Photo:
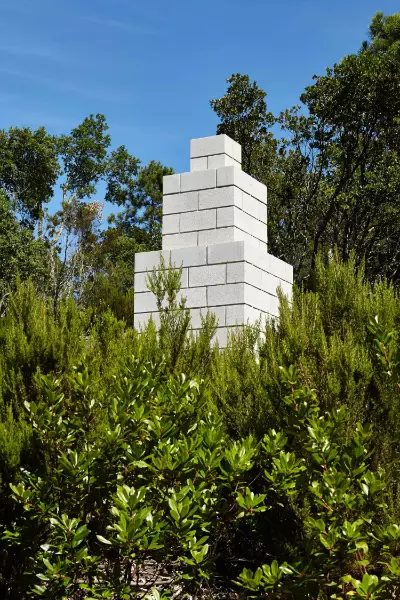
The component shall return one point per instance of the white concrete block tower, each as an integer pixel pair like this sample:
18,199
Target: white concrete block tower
215,227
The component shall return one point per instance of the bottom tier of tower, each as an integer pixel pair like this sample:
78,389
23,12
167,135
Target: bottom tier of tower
236,281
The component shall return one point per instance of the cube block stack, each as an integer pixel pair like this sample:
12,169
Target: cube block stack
215,228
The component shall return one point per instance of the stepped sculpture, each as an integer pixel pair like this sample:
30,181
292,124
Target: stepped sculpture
215,228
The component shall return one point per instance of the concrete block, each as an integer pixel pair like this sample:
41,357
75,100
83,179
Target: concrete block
254,241
216,144
269,263
171,184
189,257
250,205
219,312
145,302
259,190
179,240
237,152
270,283
254,297
273,303
199,164
255,277
221,337
286,288
250,225
258,257
170,224
219,197
259,299
197,313
254,207
146,261
246,237
235,314
198,180
196,297
263,212
226,216
233,176
185,278
216,236
233,216
214,225
141,320
220,160
248,273
207,275
236,272
228,252
140,284
230,293
195,318
252,315
281,269
178,203
198,220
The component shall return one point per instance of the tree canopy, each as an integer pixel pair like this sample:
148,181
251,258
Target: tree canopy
333,178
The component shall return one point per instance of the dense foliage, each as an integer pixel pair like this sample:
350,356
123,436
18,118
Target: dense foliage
150,485
236,466
70,253
333,173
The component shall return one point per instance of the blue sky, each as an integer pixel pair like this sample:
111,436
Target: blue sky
152,67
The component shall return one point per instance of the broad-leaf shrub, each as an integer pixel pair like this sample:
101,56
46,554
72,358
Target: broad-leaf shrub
157,486
143,491
339,500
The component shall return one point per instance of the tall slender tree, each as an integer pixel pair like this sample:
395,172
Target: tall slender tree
245,118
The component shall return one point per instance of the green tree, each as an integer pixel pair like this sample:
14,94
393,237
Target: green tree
325,332
139,190
349,143
83,157
110,283
334,180
339,502
29,169
21,255
34,163
81,260
244,117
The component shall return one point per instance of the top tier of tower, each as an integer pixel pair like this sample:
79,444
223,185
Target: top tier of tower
214,152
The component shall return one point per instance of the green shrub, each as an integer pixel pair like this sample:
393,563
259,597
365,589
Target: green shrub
326,333
144,490
34,337
155,482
